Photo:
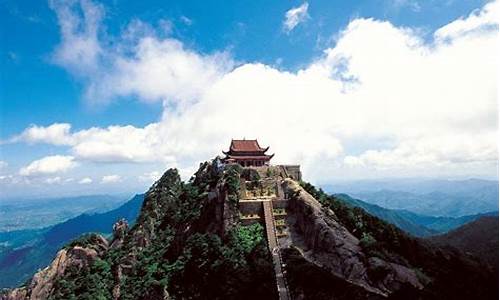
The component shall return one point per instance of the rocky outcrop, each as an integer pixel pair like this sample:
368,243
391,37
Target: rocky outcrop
330,245
42,283
120,228
16,294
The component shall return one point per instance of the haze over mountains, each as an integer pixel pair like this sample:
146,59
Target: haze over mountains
23,252
19,214
446,198
413,223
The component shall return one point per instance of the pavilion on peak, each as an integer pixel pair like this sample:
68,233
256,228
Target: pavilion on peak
247,153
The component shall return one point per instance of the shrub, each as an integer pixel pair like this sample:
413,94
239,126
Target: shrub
247,237
250,174
84,240
232,182
367,241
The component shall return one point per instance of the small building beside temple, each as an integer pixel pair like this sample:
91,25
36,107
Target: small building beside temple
247,153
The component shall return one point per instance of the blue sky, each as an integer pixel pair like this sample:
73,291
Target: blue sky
102,73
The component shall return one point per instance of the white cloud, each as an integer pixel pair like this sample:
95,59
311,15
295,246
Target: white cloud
175,74
400,106
295,16
117,144
187,21
111,179
3,164
85,180
150,177
48,165
412,4
485,19
57,134
79,22
6,178
99,144
53,180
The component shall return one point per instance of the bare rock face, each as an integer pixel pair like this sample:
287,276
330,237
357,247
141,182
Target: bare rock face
392,276
230,216
120,228
155,206
98,243
16,294
330,245
42,283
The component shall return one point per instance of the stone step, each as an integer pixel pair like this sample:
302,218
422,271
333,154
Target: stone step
275,250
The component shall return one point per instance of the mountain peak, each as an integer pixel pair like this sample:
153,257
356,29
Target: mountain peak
232,228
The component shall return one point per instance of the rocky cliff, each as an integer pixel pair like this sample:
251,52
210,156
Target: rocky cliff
76,257
325,242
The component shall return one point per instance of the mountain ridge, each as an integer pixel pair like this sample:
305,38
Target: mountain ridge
416,224
478,238
439,198
189,242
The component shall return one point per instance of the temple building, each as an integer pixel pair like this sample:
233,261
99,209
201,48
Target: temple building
247,153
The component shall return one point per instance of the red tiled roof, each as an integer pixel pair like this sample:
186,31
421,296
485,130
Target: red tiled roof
249,157
245,146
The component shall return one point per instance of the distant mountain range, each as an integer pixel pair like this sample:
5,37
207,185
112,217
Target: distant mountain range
478,238
415,224
19,214
438,198
23,252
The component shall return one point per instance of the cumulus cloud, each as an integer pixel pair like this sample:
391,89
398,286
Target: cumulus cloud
479,21
117,144
400,106
295,16
85,180
111,179
56,134
3,164
175,73
49,165
100,144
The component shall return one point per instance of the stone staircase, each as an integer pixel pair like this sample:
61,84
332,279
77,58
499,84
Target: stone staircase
275,250
252,208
